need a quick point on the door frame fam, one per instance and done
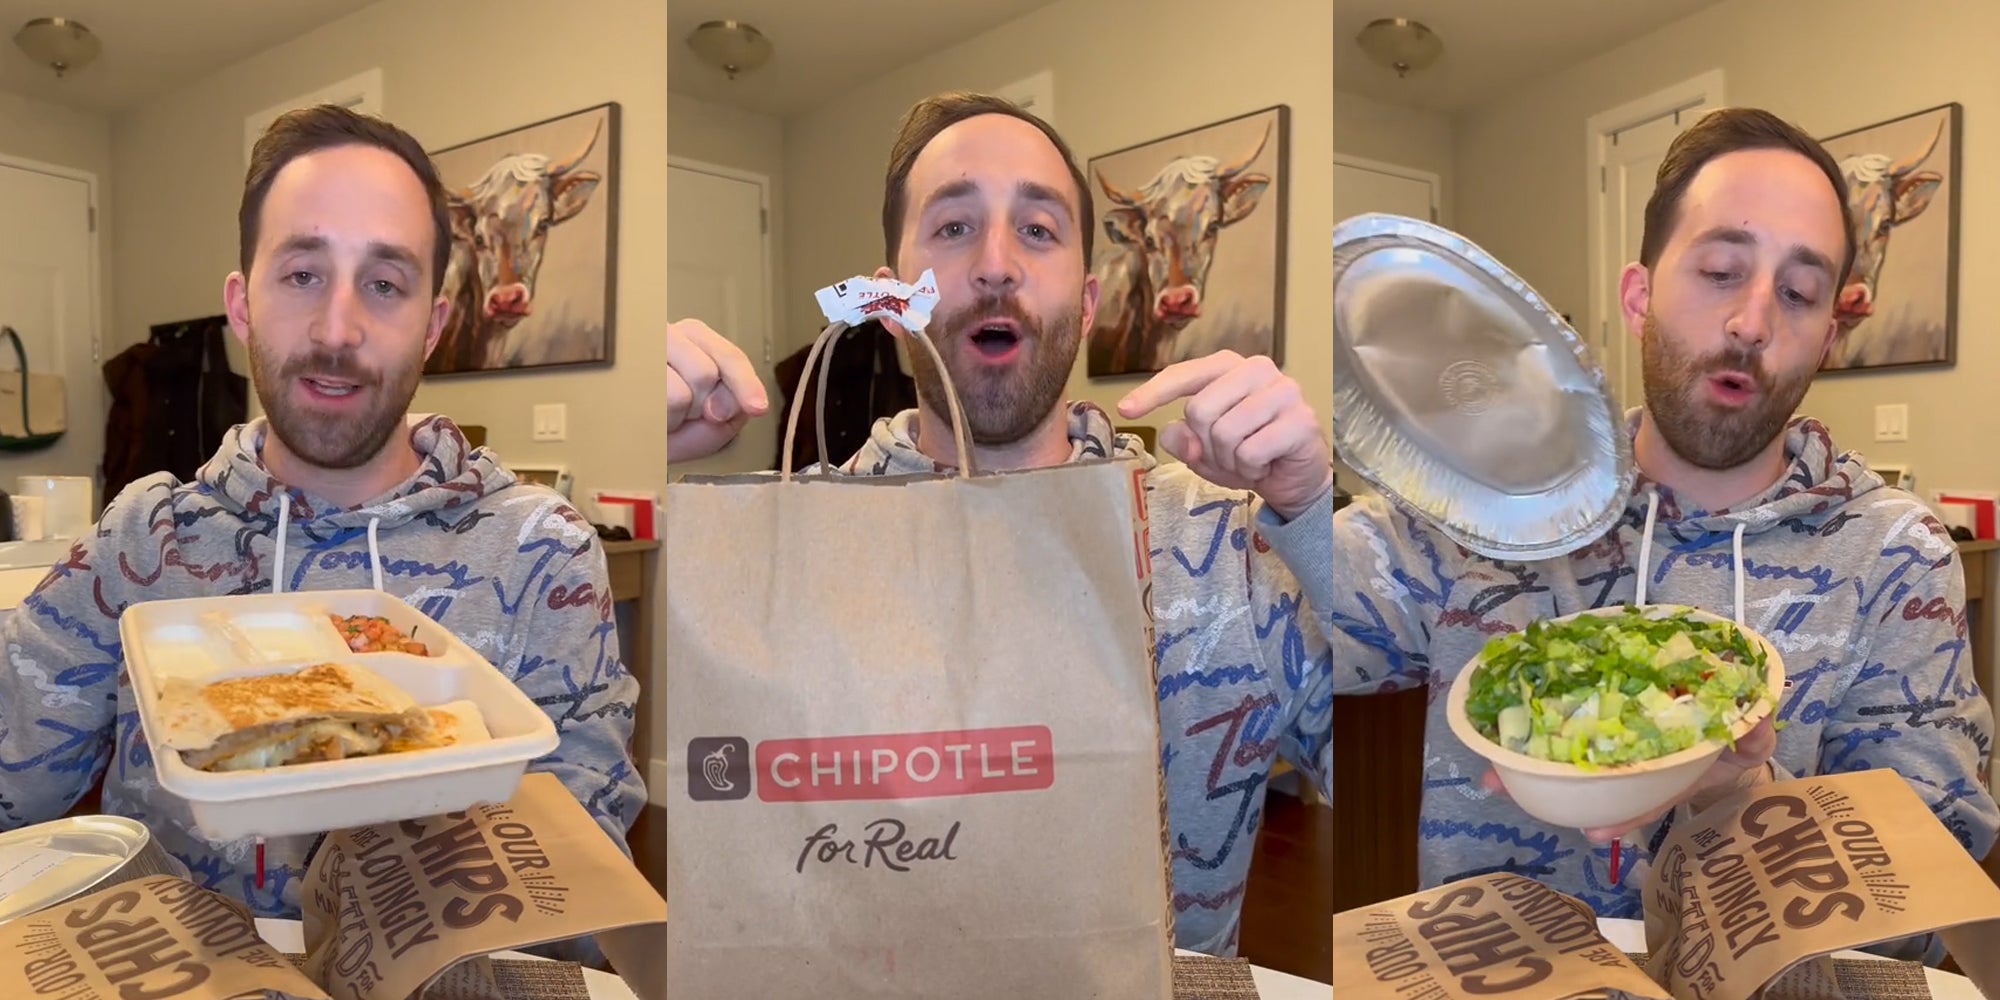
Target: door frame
(90, 185)
(771, 303)
(1600, 135)
(1435, 182)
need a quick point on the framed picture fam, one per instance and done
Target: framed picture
(1899, 308)
(1191, 250)
(533, 279)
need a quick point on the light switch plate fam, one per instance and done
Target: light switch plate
(1892, 422)
(551, 422)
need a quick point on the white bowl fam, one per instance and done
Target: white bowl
(1564, 795)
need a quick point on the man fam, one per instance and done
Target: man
(989, 197)
(344, 240)
(1747, 241)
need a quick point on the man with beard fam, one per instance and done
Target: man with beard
(1747, 241)
(989, 198)
(344, 240)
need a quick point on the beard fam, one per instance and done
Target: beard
(320, 439)
(1705, 435)
(1003, 404)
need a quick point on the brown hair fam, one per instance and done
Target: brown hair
(933, 115)
(329, 126)
(1732, 130)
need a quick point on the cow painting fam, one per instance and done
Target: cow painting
(1161, 238)
(500, 226)
(1882, 193)
(1887, 191)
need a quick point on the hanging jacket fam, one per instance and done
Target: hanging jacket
(172, 399)
(865, 384)
(510, 568)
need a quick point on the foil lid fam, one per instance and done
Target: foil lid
(1460, 395)
(51, 862)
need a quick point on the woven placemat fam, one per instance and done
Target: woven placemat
(1195, 978)
(513, 978)
(1858, 978)
(1204, 977)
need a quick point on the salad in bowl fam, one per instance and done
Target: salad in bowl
(1634, 702)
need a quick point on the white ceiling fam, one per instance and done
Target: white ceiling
(1489, 46)
(153, 45)
(823, 49)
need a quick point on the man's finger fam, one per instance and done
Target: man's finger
(699, 439)
(680, 400)
(704, 352)
(1176, 381)
(1181, 443)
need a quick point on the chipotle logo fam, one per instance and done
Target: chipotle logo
(887, 766)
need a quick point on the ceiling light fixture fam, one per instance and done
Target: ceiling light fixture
(730, 46)
(1400, 44)
(58, 43)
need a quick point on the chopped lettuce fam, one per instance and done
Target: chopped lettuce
(1608, 690)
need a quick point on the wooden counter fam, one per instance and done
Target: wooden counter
(1378, 763)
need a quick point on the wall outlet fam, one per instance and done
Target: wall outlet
(1892, 422)
(551, 422)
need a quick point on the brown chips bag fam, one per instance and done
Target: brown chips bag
(158, 938)
(1494, 935)
(388, 908)
(1745, 900)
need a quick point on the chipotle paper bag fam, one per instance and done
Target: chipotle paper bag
(387, 908)
(1784, 872)
(913, 738)
(1497, 935)
(158, 938)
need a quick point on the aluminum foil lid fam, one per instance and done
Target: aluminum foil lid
(1462, 397)
(48, 863)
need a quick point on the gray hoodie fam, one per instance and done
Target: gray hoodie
(1239, 601)
(510, 568)
(1855, 582)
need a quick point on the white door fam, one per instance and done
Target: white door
(1360, 186)
(1363, 186)
(1631, 159)
(718, 272)
(48, 295)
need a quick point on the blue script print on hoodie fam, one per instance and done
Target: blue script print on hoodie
(1855, 582)
(510, 568)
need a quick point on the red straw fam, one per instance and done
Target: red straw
(1615, 873)
(260, 862)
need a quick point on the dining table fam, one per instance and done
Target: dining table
(289, 936)
(1630, 937)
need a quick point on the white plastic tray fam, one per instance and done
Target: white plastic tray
(287, 632)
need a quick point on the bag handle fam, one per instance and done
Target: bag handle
(822, 345)
(21, 354)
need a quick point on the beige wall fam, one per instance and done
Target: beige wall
(179, 163)
(1149, 84)
(753, 143)
(1403, 137)
(55, 136)
(1521, 178)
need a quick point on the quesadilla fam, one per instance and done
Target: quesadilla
(330, 711)
(451, 724)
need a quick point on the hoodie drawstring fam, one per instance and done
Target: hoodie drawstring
(1646, 555)
(278, 587)
(375, 561)
(1645, 574)
(284, 521)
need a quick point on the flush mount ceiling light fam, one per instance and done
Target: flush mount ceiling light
(1400, 44)
(58, 43)
(730, 46)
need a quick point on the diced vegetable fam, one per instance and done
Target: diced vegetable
(1608, 690)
